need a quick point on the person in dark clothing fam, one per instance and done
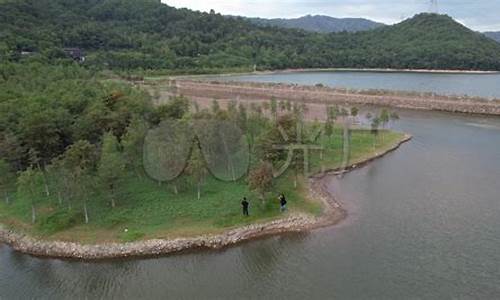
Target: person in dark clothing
(282, 202)
(245, 205)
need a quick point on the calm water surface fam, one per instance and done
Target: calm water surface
(482, 85)
(424, 223)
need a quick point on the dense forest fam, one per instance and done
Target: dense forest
(146, 34)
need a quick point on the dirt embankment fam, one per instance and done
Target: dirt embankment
(325, 95)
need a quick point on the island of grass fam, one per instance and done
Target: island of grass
(72, 167)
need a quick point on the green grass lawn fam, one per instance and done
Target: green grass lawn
(148, 210)
(363, 144)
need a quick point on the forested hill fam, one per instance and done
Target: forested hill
(321, 23)
(132, 34)
(430, 41)
(493, 35)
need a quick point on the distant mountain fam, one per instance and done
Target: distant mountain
(493, 35)
(428, 41)
(321, 23)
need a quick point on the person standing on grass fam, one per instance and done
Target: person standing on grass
(245, 204)
(282, 202)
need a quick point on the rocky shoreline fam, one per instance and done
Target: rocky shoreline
(333, 214)
(151, 248)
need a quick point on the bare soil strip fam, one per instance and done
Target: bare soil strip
(327, 96)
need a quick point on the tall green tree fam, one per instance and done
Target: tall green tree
(274, 108)
(6, 177)
(384, 119)
(29, 184)
(111, 168)
(374, 129)
(255, 125)
(36, 162)
(12, 150)
(40, 132)
(197, 168)
(331, 117)
(260, 179)
(242, 120)
(80, 160)
(60, 182)
(133, 145)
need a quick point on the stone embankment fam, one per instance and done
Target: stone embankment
(321, 94)
(150, 248)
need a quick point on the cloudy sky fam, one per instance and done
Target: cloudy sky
(481, 15)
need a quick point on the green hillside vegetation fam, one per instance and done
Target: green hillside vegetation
(430, 41)
(145, 34)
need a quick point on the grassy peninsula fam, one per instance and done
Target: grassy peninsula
(148, 211)
(72, 159)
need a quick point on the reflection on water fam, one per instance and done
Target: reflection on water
(424, 222)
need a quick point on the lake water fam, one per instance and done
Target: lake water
(424, 223)
(482, 85)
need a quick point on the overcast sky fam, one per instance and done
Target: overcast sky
(481, 15)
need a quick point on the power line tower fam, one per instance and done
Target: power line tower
(434, 8)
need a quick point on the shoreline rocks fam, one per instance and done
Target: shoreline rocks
(155, 247)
